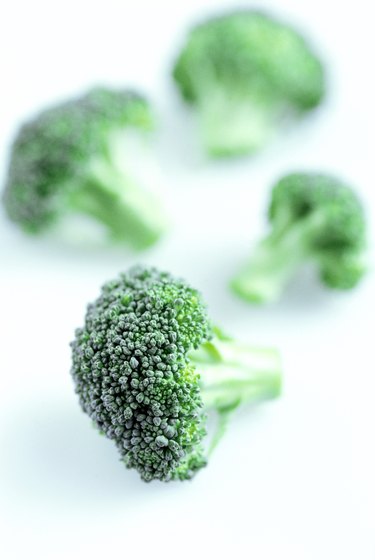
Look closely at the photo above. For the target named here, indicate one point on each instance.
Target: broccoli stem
(129, 213)
(233, 126)
(272, 264)
(234, 373)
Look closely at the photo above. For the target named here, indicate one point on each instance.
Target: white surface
(294, 479)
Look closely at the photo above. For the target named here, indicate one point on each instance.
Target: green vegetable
(313, 217)
(148, 364)
(79, 157)
(247, 75)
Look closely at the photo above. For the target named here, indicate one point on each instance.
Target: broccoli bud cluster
(314, 218)
(133, 376)
(52, 153)
(334, 209)
(247, 75)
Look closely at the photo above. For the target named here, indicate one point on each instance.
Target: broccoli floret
(79, 157)
(313, 217)
(148, 364)
(247, 75)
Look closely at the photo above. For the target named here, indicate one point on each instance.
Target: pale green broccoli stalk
(247, 75)
(314, 218)
(79, 157)
(148, 365)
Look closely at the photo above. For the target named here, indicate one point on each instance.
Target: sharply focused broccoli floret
(148, 364)
(247, 75)
(80, 157)
(313, 217)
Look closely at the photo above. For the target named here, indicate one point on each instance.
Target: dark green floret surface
(136, 380)
(132, 375)
(313, 218)
(65, 160)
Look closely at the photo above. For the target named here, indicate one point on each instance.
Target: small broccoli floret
(247, 75)
(313, 217)
(148, 364)
(79, 157)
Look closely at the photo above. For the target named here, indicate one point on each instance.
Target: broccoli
(247, 75)
(313, 217)
(148, 364)
(79, 156)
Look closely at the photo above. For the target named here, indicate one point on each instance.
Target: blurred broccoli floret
(313, 217)
(148, 364)
(79, 157)
(247, 75)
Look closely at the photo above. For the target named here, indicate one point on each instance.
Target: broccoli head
(247, 74)
(79, 157)
(148, 364)
(313, 217)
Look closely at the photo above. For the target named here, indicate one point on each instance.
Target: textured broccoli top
(314, 217)
(147, 366)
(251, 51)
(133, 376)
(58, 145)
(336, 214)
(80, 157)
(246, 72)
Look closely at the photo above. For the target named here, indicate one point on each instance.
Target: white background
(293, 479)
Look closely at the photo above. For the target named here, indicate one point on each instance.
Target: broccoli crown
(330, 206)
(133, 376)
(55, 149)
(314, 218)
(248, 53)
(342, 272)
